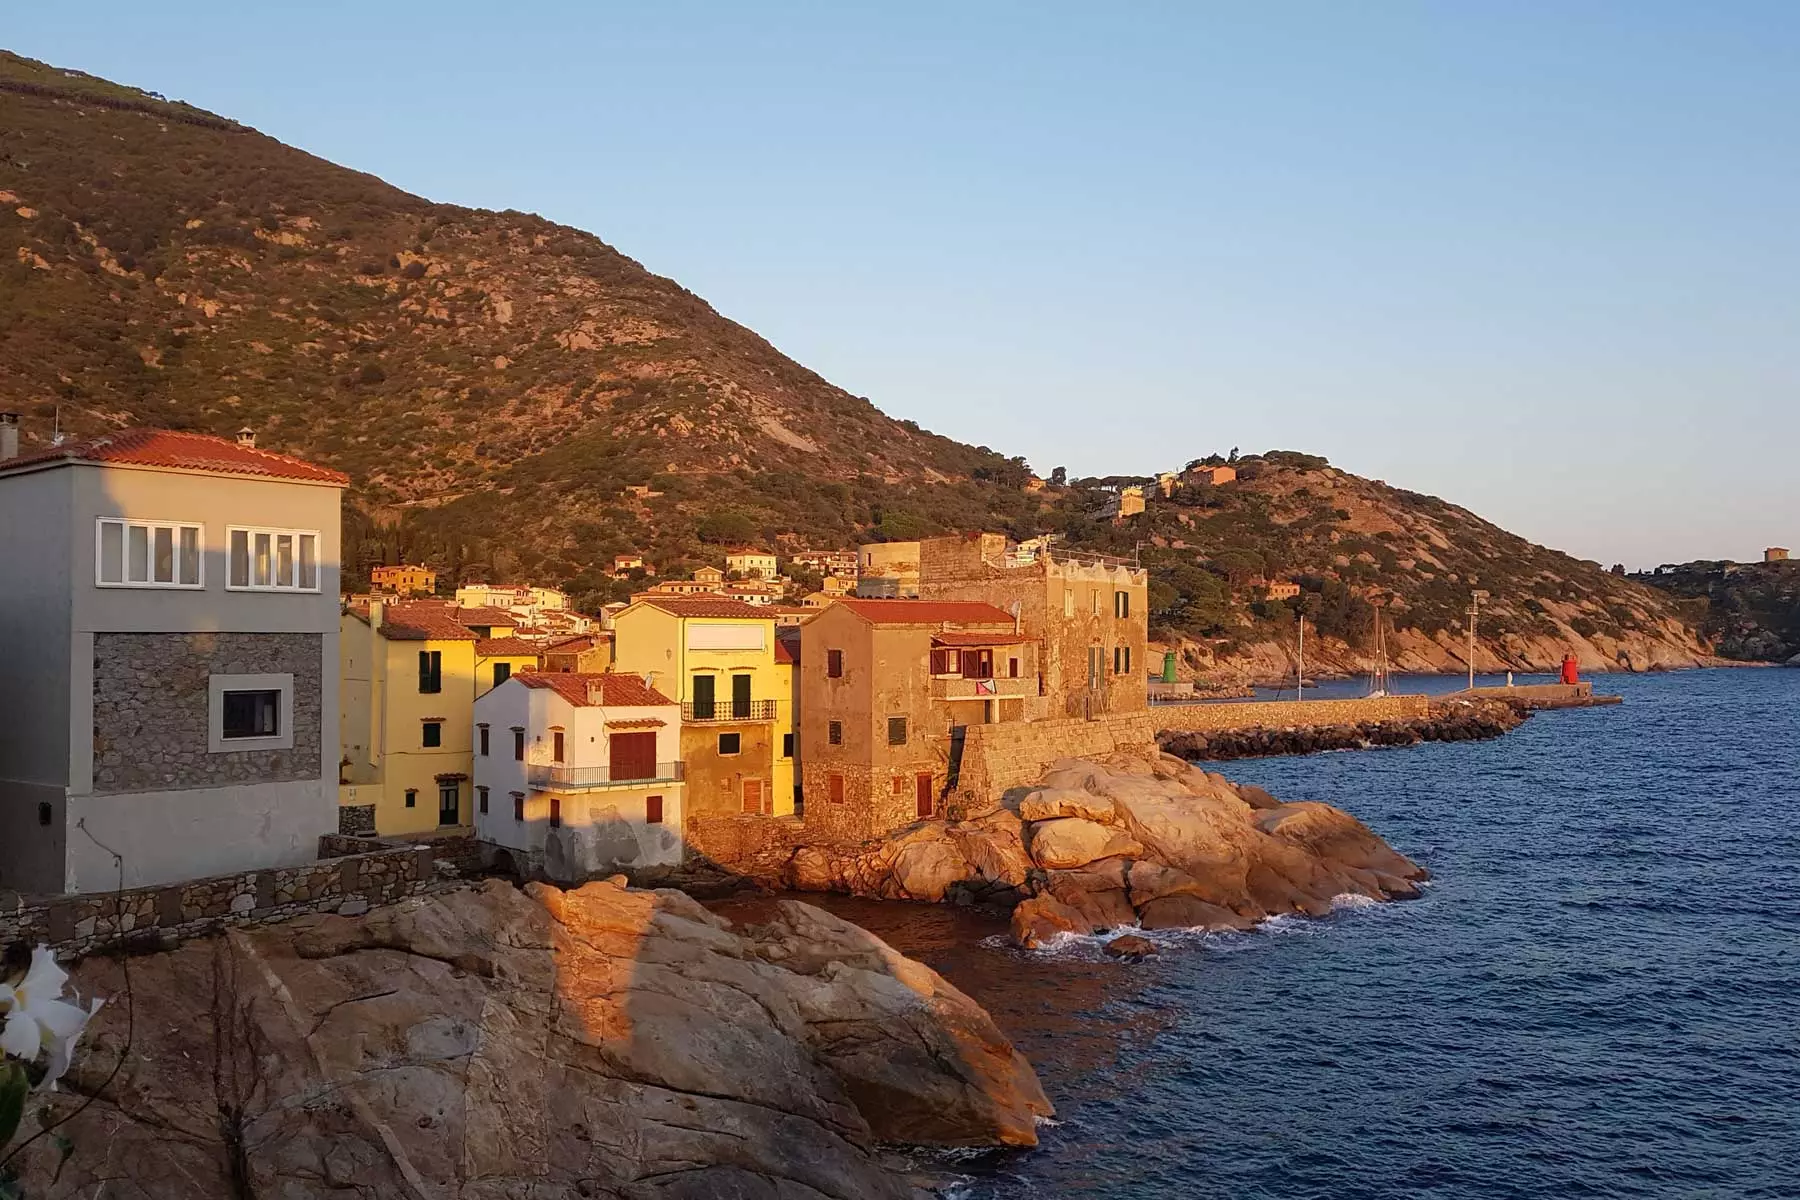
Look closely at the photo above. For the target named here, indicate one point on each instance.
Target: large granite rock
(491, 1044)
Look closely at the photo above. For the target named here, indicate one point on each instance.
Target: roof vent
(247, 438)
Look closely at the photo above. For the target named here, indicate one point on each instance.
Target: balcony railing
(955, 687)
(699, 712)
(555, 775)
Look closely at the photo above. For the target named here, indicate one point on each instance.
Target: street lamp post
(1475, 599)
(1300, 660)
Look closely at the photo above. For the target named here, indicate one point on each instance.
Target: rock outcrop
(1142, 840)
(1448, 721)
(491, 1044)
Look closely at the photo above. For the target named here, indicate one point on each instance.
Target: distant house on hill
(747, 563)
(403, 580)
(1775, 554)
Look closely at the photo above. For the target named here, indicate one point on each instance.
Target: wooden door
(740, 696)
(633, 756)
(753, 795)
(703, 697)
(923, 785)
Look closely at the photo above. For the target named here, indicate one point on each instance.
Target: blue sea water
(1598, 997)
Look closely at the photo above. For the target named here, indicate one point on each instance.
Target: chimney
(375, 607)
(247, 438)
(9, 435)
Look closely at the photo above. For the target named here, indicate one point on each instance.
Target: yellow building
(403, 580)
(749, 563)
(409, 675)
(721, 661)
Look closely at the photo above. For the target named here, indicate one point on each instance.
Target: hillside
(1344, 540)
(492, 381)
(495, 383)
(1751, 611)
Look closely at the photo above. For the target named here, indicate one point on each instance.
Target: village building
(749, 563)
(585, 653)
(1775, 554)
(171, 605)
(630, 562)
(577, 775)
(826, 562)
(1280, 589)
(403, 580)
(722, 662)
(886, 686)
(1128, 503)
(888, 570)
(1087, 614)
(408, 679)
(1209, 475)
(709, 576)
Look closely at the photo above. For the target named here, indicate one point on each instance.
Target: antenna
(56, 436)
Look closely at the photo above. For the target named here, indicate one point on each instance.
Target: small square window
(653, 810)
(787, 745)
(834, 664)
(502, 673)
(481, 799)
(834, 732)
(412, 797)
(896, 731)
(1012, 668)
(729, 743)
(835, 788)
(433, 735)
(254, 714)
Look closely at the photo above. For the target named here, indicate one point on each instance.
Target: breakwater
(1448, 721)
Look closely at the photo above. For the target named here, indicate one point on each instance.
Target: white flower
(38, 1020)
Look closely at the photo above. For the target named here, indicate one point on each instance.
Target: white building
(578, 774)
(749, 563)
(170, 602)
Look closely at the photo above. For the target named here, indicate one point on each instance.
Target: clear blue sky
(1540, 259)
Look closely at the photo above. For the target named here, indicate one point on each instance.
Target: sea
(1598, 995)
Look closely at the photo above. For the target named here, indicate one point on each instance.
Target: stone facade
(152, 709)
(363, 874)
(356, 820)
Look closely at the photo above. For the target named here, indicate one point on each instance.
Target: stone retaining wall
(1287, 714)
(1015, 754)
(349, 878)
(756, 846)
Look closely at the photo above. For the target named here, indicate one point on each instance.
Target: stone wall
(757, 847)
(998, 757)
(152, 709)
(1286, 714)
(352, 875)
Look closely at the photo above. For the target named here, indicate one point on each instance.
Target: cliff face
(1751, 611)
(487, 1043)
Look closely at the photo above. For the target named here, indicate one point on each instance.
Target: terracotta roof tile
(421, 621)
(486, 616)
(708, 606)
(927, 612)
(179, 451)
(638, 723)
(507, 647)
(625, 691)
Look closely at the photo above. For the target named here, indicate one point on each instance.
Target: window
(834, 733)
(518, 745)
(483, 731)
(896, 731)
(703, 697)
(556, 745)
(900, 785)
(272, 560)
(431, 671)
(978, 664)
(1121, 660)
(1121, 604)
(1068, 602)
(147, 554)
(653, 810)
(1096, 602)
(502, 673)
(943, 662)
(787, 745)
(433, 735)
(729, 743)
(631, 756)
(481, 798)
(250, 712)
(1012, 667)
(449, 804)
(556, 812)
(834, 664)
(1127, 660)
(1116, 670)
(518, 799)
(412, 797)
(834, 785)
(740, 696)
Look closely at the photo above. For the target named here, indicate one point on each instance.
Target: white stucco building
(578, 774)
(168, 688)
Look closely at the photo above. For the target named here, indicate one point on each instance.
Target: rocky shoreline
(1448, 721)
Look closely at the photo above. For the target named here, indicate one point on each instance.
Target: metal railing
(554, 775)
(957, 687)
(700, 712)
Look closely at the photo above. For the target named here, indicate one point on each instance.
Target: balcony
(957, 687)
(557, 775)
(724, 712)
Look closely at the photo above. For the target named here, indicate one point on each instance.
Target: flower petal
(20, 1037)
(44, 981)
(59, 1018)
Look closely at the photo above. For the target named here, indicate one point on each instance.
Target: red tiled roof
(626, 691)
(421, 621)
(787, 645)
(576, 644)
(180, 451)
(506, 647)
(926, 612)
(486, 616)
(708, 606)
(977, 639)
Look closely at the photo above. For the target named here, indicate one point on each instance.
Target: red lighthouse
(1571, 670)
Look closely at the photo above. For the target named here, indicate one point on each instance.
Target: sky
(1542, 259)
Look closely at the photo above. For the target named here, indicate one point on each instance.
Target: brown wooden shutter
(633, 756)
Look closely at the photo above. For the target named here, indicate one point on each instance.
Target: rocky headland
(497, 1044)
(1142, 840)
(1448, 721)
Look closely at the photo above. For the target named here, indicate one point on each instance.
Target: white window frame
(250, 532)
(218, 685)
(150, 527)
